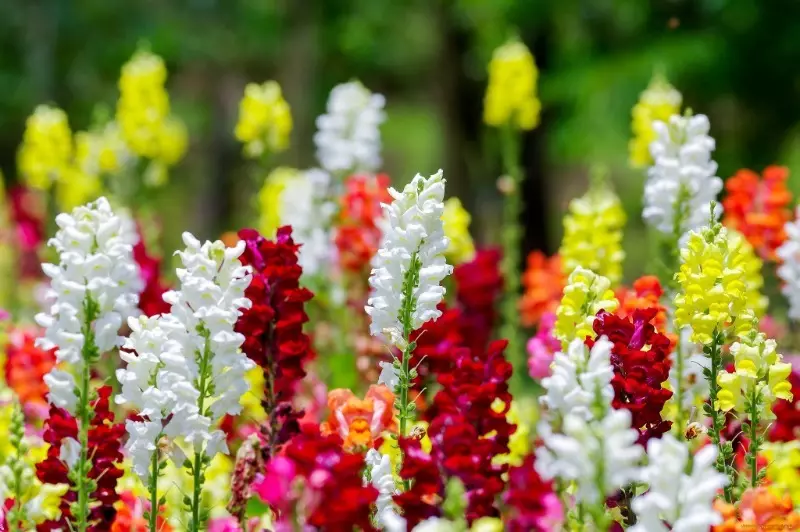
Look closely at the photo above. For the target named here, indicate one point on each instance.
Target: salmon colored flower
(26, 365)
(543, 281)
(758, 207)
(130, 516)
(759, 509)
(359, 236)
(646, 293)
(360, 421)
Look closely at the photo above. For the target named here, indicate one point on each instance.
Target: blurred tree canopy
(732, 60)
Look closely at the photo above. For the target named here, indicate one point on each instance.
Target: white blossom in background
(685, 501)
(96, 272)
(584, 446)
(413, 231)
(789, 270)
(348, 138)
(693, 384)
(683, 168)
(202, 316)
(577, 376)
(381, 478)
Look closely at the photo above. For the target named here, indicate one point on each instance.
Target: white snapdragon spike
(587, 450)
(381, 478)
(789, 270)
(577, 375)
(683, 176)
(95, 286)
(685, 501)
(348, 137)
(413, 232)
(206, 370)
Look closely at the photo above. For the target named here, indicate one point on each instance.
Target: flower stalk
(725, 450)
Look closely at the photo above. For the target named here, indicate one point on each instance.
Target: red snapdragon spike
(105, 442)
(436, 340)
(273, 326)
(478, 287)
(532, 503)
(640, 358)
(786, 426)
(358, 236)
(422, 500)
(151, 300)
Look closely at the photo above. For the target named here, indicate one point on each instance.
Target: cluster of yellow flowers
(265, 120)
(45, 156)
(658, 102)
(584, 296)
(745, 259)
(456, 220)
(783, 468)
(760, 374)
(511, 94)
(269, 198)
(593, 234)
(712, 284)
(143, 115)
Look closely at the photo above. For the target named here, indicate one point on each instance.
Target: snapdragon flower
(577, 374)
(382, 479)
(789, 270)
(456, 220)
(682, 183)
(511, 98)
(348, 137)
(265, 119)
(46, 151)
(94, 287)
(683, 499)
(585, 295)
(659, 101)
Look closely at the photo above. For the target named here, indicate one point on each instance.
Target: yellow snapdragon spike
(46, 150)
(173, 141)
(658, 102)
(584, 296)
(593, 234)
(75, 188)
(143, 104)
(744, 258)
(730, 393)
(455, 221)
(269, 198)
(783, 468)
(712, 286)
(251, 401)
(511, 98)
(265, 119)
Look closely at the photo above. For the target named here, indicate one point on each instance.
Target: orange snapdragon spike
(759, 509)
(26, 366)
(758, 207)
(646, 293)
(543, 281)
(360, 421)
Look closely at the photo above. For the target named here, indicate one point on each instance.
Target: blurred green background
(733, 60)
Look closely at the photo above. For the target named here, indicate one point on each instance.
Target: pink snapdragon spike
(542, 348)
(275, 485)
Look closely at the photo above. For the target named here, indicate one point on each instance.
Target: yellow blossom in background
(584, 296)
(658, 102)
(46, 150)
(593, 234)
(265, 120)
(712, 288)
(75, 188)
(101, 151)
(251, 400)
(173, 140)
(511, 94)
(743, 257)
(523, 413)
(783, 468)
(269, 198)
(455, 221)
(487, 524)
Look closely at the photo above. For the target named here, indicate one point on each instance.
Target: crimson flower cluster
(151, 300)
(422, 499)
(435, 343)
(640, 358)
(786, 426)
(273, 326)
(105, 441)
(478, 287)
(338, 500)
(531, 501)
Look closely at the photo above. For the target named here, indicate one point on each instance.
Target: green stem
(199, 464)
(89, 354)
(680, 419)
(752, 451)
(717, 417)
(154, 470)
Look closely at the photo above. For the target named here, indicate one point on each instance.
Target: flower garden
(354, 360)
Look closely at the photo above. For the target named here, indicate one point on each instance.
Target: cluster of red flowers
(151, 300)
(543, 281)
(105, 440)
(273, 326)
(26, 366)
(646, 293)
(338, 500)
(422, 499)
(786, 426)
(531, 500)
(640, 358)
(467, 430)
(478, 287)
(435, 343)
(759, 208)
(359, 236)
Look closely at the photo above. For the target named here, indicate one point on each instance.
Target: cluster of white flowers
(348, 137)
(685, 501)
(683, 172)
(587, 450)
(306, 206)
(96, 274)
(381, 478)
(789, 270)
(413, 232)
(578, 375)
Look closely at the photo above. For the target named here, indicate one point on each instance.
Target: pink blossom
(542, 348)
(274, 487)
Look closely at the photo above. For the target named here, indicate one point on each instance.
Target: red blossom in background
(26, 365)
(422, 500)
(533, 505)
(151, 300)
(105, 441)
(478, 287)
(436, 340)
(27, 214)
(358, 235)
(640, 358)
(786, 426)
(273, 327)
(544, 282)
